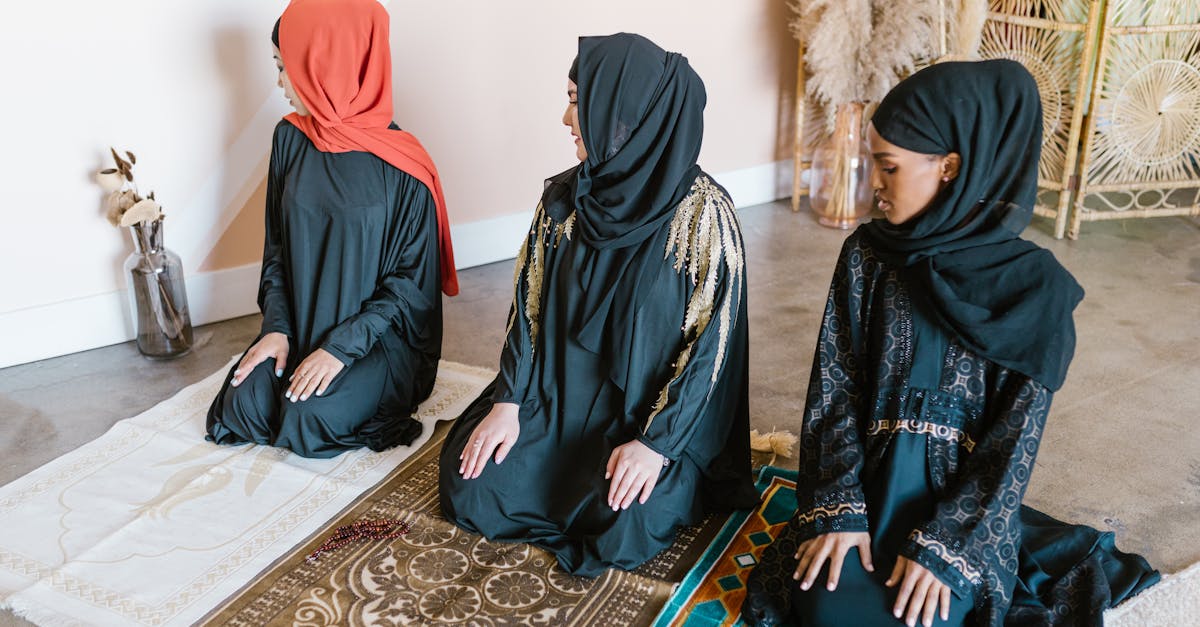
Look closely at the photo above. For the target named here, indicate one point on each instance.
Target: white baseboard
(488, 241)
(88, 322)
(497, 239)
(759, 184)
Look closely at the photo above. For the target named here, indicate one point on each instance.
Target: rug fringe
(37, 614)
(776, 443)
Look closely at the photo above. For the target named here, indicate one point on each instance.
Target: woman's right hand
(497, 432)
(832, 546)
(270, 345)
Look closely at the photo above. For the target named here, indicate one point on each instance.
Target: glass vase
(158, 297)
(840, 182)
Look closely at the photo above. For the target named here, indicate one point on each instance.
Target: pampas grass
(964, 27)
(857, 50)
(904, 34)
(835, 34)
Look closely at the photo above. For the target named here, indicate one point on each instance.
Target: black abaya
(676, 382)
(350, 265)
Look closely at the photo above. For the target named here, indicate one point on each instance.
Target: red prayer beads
(385, 529)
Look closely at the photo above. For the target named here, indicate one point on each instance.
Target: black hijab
(641, 113)
(1003, 297)
(641, 116)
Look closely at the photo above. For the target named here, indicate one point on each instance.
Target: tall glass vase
(158, 297)
(840, 182)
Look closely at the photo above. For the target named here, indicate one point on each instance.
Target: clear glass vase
(158, 297)
(840, 182)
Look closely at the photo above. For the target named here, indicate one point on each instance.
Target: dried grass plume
(965, 25)
(857, 50)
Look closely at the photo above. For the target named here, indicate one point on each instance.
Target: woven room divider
(1120, 88)
(1141, 145)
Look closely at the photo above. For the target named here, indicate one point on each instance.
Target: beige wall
(242, 241)
(190, 87)
(482, 85)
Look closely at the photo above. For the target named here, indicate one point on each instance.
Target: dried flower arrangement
(857, 50)
(124, 205)
(155, 274)
(853, 53)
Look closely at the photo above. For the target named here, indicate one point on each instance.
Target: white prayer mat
(151, 525)
(1174, 601)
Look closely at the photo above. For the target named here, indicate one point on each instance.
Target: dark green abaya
(628, 323)
(678, 384)
(350, 265)
(943, 341)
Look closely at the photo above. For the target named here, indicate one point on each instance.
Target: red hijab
(337, 55)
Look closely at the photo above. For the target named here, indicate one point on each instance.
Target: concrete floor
(1121, 450)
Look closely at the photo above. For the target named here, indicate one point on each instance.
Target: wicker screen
(1141, 152)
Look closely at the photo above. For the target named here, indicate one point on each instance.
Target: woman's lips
(883, 205)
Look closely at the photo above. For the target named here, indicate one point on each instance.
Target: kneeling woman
(944, 338)
(620, 409)
(357, 247)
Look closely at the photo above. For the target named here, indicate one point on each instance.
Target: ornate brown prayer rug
(438, 574)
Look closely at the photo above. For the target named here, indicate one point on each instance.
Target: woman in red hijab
(356, 256)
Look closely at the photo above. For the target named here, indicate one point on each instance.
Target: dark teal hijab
(1003, 297)
(641, 112)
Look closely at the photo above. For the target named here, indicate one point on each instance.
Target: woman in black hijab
(620, 411)
(944, 338)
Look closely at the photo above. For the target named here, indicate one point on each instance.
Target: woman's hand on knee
(271, 345)
(921, 591)
(634, 469)
(497, 432)
(313, 375)
(831, 546)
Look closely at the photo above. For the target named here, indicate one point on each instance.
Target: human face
(906, 182)
(286, 84)
(571, 118)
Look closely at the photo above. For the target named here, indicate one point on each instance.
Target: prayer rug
(439, 574)
(712, 592)
(151, 525)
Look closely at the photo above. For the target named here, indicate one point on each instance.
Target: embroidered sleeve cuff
(950, 567)
(835, 517)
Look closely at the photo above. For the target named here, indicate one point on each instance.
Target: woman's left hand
(921, 591)
(634, 469)
(314, 374)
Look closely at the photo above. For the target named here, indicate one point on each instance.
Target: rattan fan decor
(1141, 148)
(1051, 39)
(1120, 88)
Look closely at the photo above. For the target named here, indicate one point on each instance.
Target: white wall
(190, 87)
